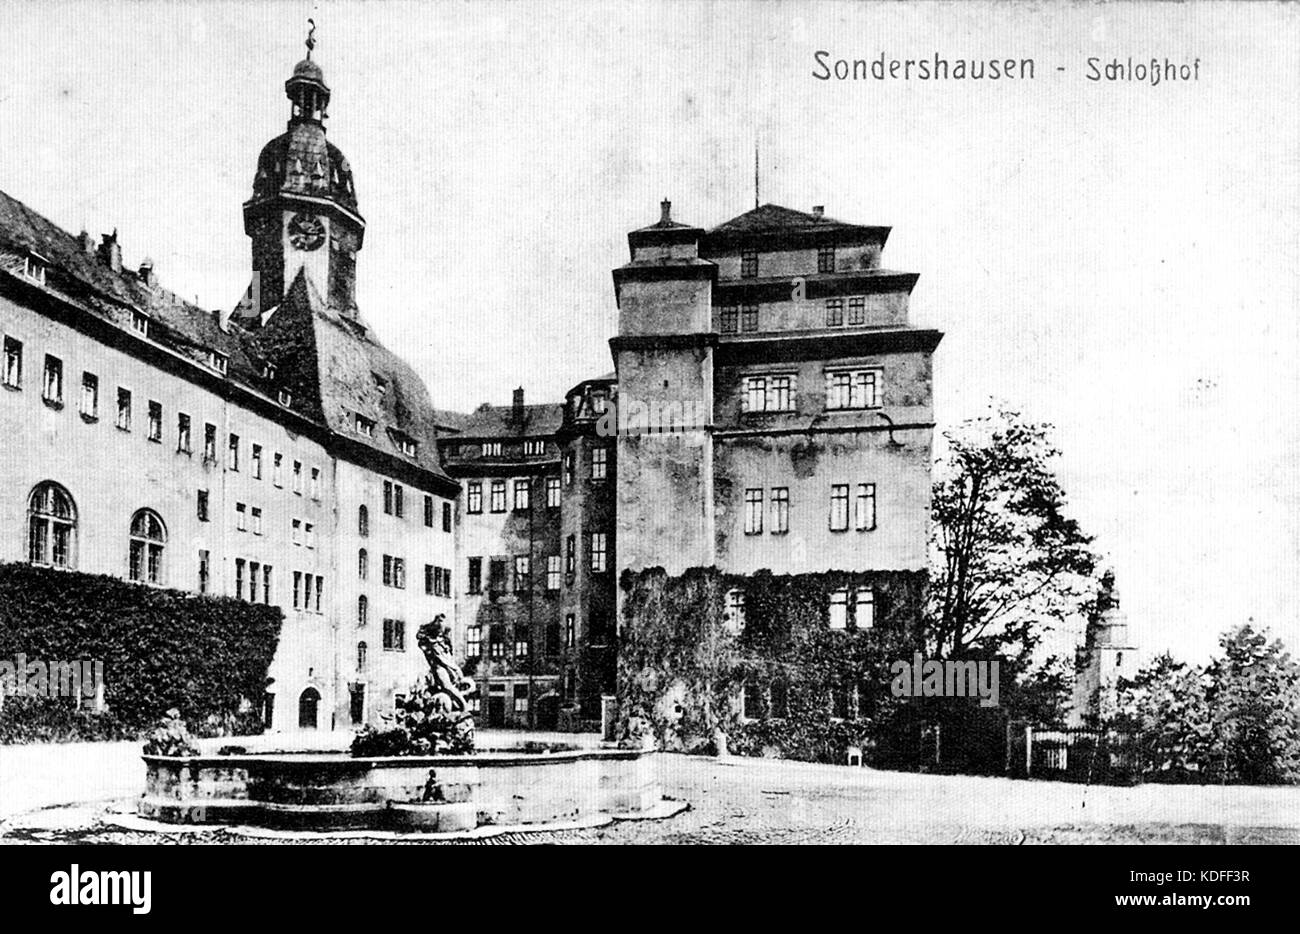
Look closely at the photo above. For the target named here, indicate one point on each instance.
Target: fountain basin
(330, 791)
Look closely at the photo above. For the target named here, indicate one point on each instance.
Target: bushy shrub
(207, 657)
(171, 737)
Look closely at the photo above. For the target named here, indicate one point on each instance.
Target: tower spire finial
(311, 36)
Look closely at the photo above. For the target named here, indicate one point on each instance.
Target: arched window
(363, 521)
(308, 701)
(51, 526)
(363, 564)
(363, 610)
(148, 536)
(361, 656)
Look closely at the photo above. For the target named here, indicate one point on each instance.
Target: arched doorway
(308, 705)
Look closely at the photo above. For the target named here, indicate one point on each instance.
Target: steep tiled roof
(343, 371)
(498, 421)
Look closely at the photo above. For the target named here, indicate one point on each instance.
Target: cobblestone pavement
(765, 801)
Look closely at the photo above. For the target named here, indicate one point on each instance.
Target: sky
(1117, 259)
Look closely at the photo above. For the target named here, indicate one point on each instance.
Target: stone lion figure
(448, 683)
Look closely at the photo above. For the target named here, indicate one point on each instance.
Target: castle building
(770, 408)
(277, 454)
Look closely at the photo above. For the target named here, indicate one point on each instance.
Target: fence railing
(1076, 754)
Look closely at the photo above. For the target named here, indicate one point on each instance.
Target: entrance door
(496, 705)
(357, 703)
(308, 703)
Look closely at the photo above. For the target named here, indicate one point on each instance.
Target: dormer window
(34, 268)
(219, 362)
(406, 445)
(534, 448)
(492, 449)
(268, 371)
(286, 398)
(140, 323)
(365, 427)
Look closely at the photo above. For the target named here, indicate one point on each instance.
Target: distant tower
(1107, 654)
(303, 213)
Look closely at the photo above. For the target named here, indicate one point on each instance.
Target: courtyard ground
(77, 792)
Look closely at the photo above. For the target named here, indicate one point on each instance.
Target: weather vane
(311, 36)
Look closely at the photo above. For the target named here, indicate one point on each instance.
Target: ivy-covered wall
(205, 656)
(807, 691)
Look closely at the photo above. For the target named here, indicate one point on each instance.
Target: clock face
(306, 231)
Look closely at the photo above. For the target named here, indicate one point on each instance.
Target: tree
(1166, 706)
(1254, 700)
(1008, 561)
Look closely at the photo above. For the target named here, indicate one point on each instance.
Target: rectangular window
(748, 264)
(205, 571)
(52, 388)
(429, 587)
(123, 409)
(183, 443)
(753, 511)
(475, 582)
(399, 573)
(309, 534)
(523, 573)
(734, 615)
(599, 463)
(568, 468)
(834, 312)
(865, 509)
(492, 449)
(297, 589)
(428, 511)
(446, 517)
(523, 490)
(570, 630)
(552, 492)
(473, 641)
(297, 477)
(853, 389)
(253, 569)
(365, 427)
(857, 310)
(203, 506)
(210, 443)
(297, 532)
(13, 364)
(266, 584)
(553, 572)
(839, 520)
(729, 319)
(474, 497)
(774, 393)
(399, 504)
(749, 318)
(753, 701)
(241, 517)
(864, 608)
(89, 396)
(598, 551)
(498, 496)
(257, 462)
(826, 259)
(755, 397)
(257, 520)
(155, 421)
(320, 593)
(780, 510)
(779, 393)
(277, 469)
(570, 556)
(521, 651)
(394, 635)
(496, 576)
(838, 609)
(239, 578)
(232, 459)
(534, 448)
(218, 361)
(315, 483)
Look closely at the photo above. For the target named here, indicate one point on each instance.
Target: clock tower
(303, 212)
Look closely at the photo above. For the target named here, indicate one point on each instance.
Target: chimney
(665, 211)
(110, 252)
(518, 408)
(819, 210)
(146, 272)
(86, 243)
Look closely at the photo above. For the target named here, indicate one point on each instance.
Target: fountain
(421, 774)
